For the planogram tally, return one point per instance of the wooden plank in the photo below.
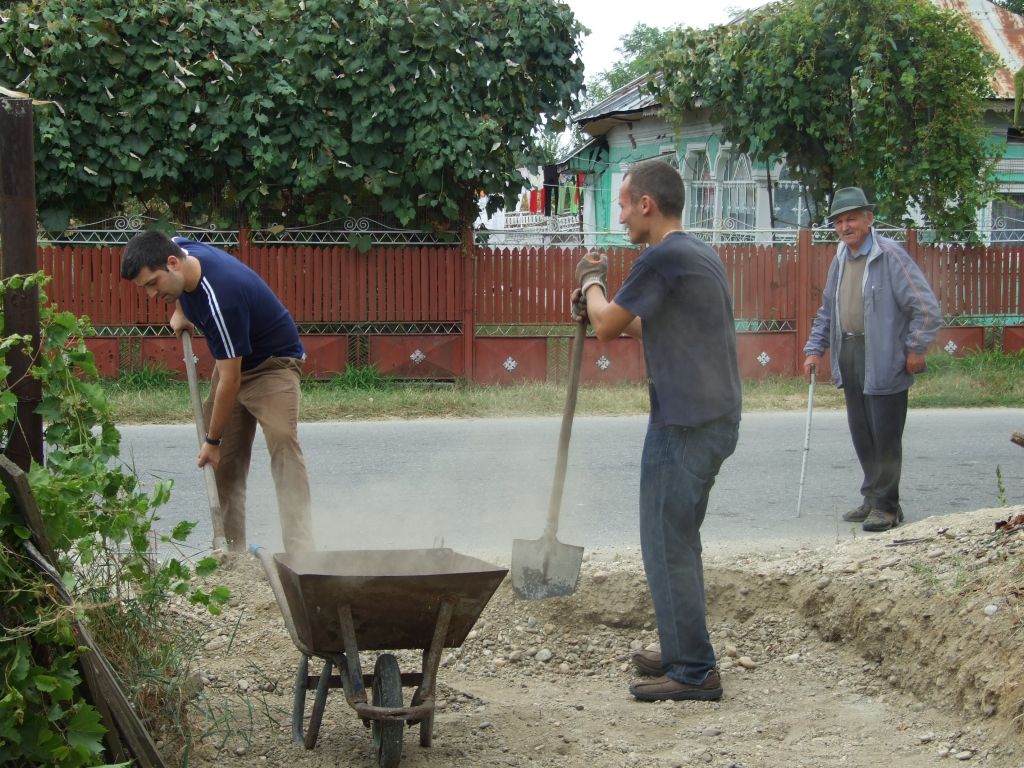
(360, 307)
(394, 286)
(424, 256)
(458, 264)
(484, 260)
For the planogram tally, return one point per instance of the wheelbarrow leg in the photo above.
(431, 661)
(308, 736)
(299, 700)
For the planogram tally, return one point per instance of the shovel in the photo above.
(807, 444)
(219, 540)
(546, 567)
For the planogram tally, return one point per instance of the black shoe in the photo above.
(858, 514)
(880, 521)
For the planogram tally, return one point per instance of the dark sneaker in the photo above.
(648, 663)
(667, 689)
(858, 514)
(880, 521)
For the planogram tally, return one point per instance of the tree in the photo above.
(883, 94)
(1017, 6)
(292, 112)
(640, 50)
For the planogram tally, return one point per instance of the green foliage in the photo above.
(303, 112)
(99, 520)
(544, 148)
(1017, 6)
(882, 94)
(641, 54)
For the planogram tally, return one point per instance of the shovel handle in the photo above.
(216, 517)
(558, 486)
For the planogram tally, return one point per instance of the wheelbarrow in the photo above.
(337, 603)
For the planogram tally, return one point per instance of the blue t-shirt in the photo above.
(236, 311)
(680, 292)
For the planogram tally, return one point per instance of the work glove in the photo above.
(578, 310)
(592, 270)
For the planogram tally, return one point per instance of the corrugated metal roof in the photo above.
(631, 98)
(1000, 31)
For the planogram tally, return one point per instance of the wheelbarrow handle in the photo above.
(270, 568)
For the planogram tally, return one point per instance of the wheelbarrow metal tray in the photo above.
(393, 594)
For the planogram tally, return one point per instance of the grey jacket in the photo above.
(901, 315)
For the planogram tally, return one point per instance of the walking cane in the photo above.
(807, 443)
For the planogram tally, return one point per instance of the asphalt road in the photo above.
(475, 485)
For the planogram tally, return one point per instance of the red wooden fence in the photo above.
(775, 287)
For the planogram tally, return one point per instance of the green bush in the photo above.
(100, 523)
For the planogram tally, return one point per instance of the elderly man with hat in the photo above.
(878, 316)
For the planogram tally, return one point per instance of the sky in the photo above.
(609, 20)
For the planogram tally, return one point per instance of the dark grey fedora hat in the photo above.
(849, 199)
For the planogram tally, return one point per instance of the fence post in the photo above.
(20, 257)
(804, 308)
(468, 301)
(911, 243)
(243, 245)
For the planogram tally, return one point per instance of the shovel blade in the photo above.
(543, 568)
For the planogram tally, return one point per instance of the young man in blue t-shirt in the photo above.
(676, 299)
(256, 380)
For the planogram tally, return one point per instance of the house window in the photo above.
(739, 192)
(1008, 218)
(789, 206)
(700, 192)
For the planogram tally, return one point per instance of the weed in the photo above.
(150, 376)
(927, 572)
(1000, 487)
(362, 392)
(360, 378)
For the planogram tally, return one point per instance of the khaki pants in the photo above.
(269, 396)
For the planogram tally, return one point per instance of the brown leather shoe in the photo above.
(648, 663)
(858, 514)
(667, 689)
(880, 521)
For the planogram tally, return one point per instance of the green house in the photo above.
(729, 198)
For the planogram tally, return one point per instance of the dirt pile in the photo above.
(904, 647)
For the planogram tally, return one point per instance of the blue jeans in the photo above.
(677, 471)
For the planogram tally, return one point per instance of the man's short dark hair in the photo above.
(148, 249)
(660, 182)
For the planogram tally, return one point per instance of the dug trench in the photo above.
(903, 648)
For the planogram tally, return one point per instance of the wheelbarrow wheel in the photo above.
(387, 692)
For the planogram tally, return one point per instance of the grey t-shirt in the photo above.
(680, 292)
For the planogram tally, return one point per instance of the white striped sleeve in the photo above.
(218, 318)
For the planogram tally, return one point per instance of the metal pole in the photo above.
(18, 248)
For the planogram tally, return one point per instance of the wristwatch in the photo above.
(214, 440)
